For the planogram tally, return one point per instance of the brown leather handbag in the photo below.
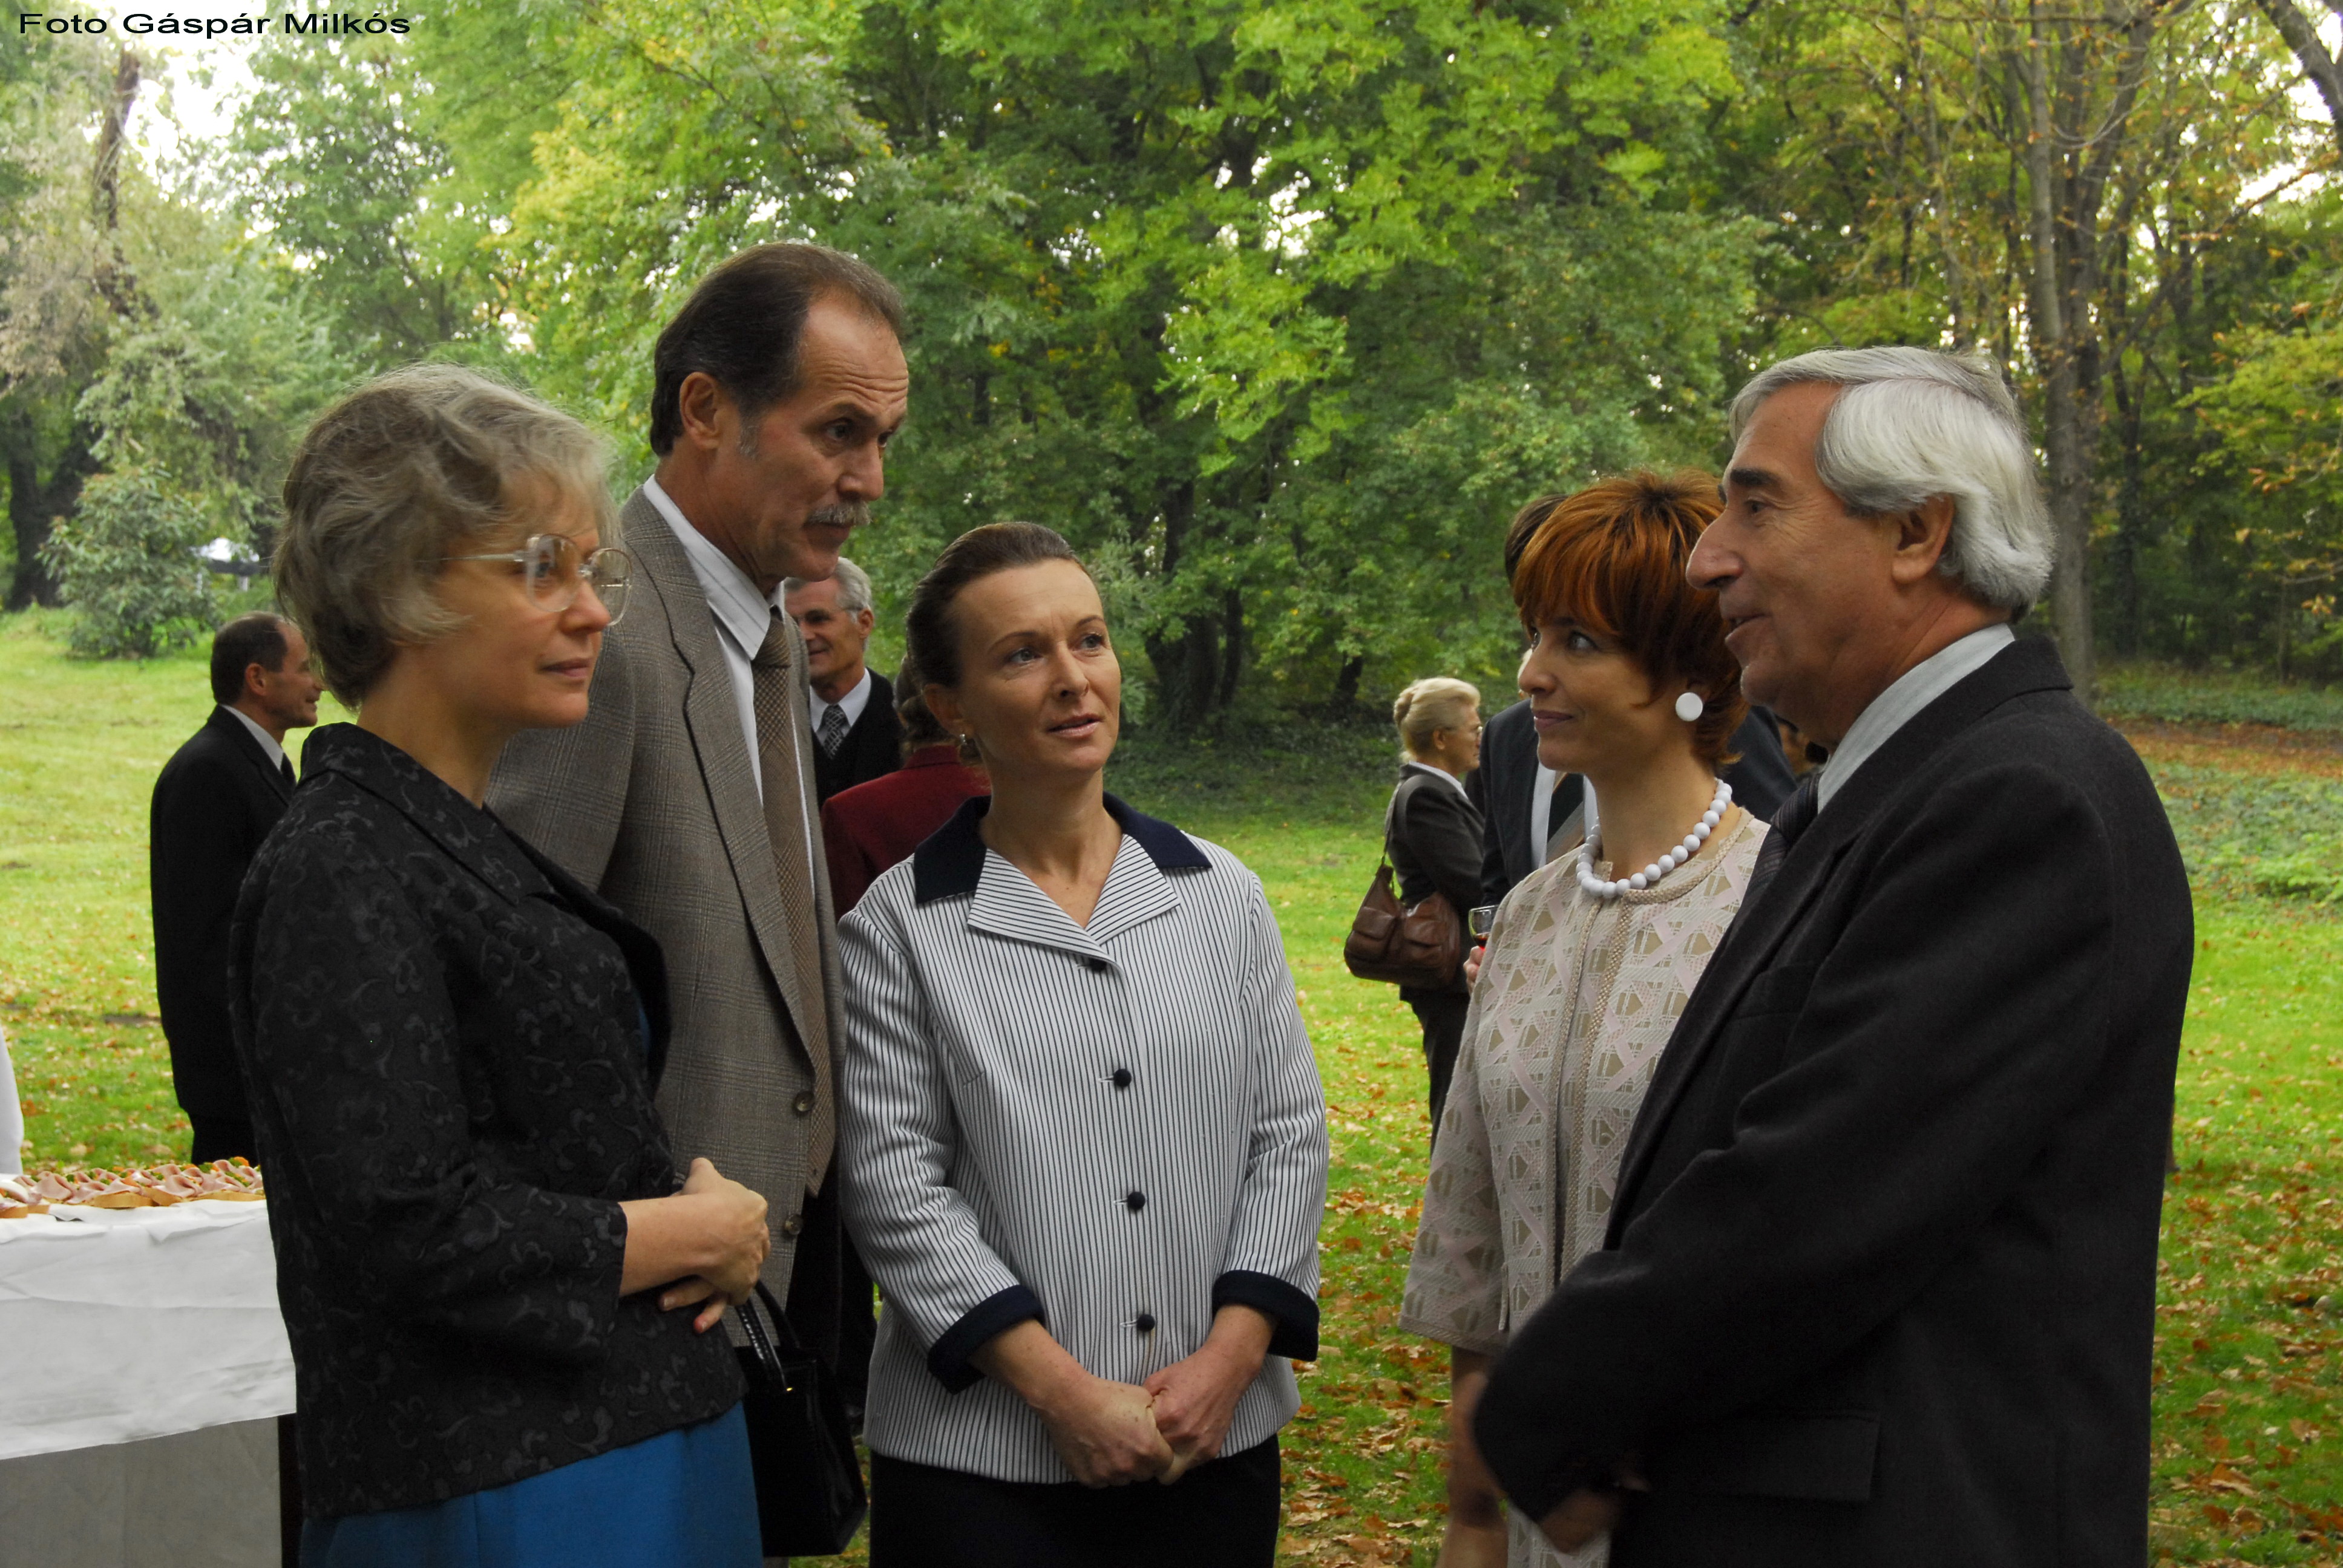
(1417, 944)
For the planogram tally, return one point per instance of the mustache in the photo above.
(845, 514)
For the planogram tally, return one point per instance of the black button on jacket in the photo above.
(451, 1049)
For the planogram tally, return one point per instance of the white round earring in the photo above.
(1689, 708)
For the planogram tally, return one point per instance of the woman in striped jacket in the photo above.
(1084, 1140)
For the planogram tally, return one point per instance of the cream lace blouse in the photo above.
(1575, 1001)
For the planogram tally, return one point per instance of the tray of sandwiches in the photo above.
(149, 1187)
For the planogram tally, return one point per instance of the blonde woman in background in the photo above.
(1592, 956)
(1431, 834)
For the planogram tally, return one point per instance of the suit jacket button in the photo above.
(1121, 1077)
(1145, 1322)
(793, 1224)
(1098, 966)
(803, 1103)
(1135, 1202)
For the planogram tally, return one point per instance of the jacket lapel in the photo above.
(470, 836)
(248, 749)
(1759, 930)
(712, 716)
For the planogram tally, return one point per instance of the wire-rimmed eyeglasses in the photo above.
(555, 572)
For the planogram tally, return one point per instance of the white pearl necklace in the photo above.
(1649, 875)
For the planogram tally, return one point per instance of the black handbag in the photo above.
(809, 1496)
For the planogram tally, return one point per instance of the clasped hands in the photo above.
(1114, 1434)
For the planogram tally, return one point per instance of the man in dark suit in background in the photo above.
(858, 738)
(215, 800)
(856, 735)
(1878, 1286)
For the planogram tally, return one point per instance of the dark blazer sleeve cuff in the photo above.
(948, 1358)
(1293, 1313)
(1519, 1452)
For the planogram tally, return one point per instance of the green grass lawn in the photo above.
(2249, 1433)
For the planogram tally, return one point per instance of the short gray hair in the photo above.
(421, 463)
(1910, 425)
(853, 585)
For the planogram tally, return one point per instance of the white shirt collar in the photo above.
(1442, 774)
(851, 704)
(268, 743)
(1912, 691)
(744, 613)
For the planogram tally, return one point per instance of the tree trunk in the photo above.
(1232, 647)
(33, 507)
(1185, 673)
(112, 275)
(1344, 703)
(2054, 352)
(2131, 511)
(2301, 35)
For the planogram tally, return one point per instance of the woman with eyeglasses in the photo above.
(1432, 836)
(498, 1286)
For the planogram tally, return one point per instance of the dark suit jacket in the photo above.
(873, 747)
(873, 826)
(214, 801)
(1501, 786)
(452, 1047)
(1879, 1282)
(1432, 835)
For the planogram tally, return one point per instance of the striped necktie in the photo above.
(833, 730)
(779, 766)
(1796, 815)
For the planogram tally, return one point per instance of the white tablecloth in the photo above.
(134, 1324)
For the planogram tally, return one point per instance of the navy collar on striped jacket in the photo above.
(951, 862)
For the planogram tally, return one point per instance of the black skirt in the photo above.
(1223, 1514)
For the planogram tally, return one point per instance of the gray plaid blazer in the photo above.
(653, 802)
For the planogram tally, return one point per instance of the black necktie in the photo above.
(1796, 815)
(285, 766)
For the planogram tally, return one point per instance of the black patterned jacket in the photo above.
(451, 1078)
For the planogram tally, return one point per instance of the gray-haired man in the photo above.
(856, 736)
(1878, 1286)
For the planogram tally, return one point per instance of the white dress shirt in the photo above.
(1116, 1127)
(1542, 823)
(742, 617)
(268, 743)
(1438, 772)
(1912, 691)
(851, 704)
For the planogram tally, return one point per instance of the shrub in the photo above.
(125, 562)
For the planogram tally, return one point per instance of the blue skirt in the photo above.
(684, 1498)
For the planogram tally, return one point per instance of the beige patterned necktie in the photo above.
(777, 765)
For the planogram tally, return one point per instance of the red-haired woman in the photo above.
(1591, 957)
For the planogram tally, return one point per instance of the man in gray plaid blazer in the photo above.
(686, 797)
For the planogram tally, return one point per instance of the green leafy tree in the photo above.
(1277, 312)
(2050, 185)
(213, 382)
(127, 562)
(345, 153)
(59, 209)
